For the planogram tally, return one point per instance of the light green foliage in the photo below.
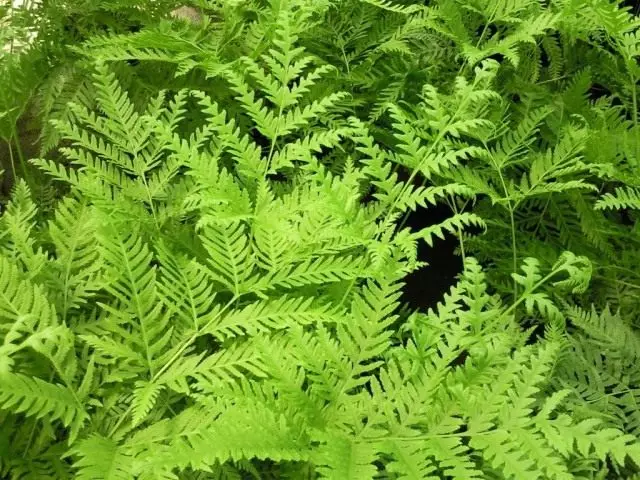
(214, 287)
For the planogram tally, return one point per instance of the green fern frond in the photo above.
(316, 271)
(113, 101)
(265, 316)
(607, 329)
(454, 225)
(66, 86)
(230, 256)
(32, 396)
(622, 198)
(73, 235)
(16, 231)
(22, 303)
(191, 439)
(100, 458)
(185, 289)
(340, 456)
(391, 7)
(131, 280)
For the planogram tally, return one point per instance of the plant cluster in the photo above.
(202, 267)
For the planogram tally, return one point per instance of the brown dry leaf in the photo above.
(189, 14)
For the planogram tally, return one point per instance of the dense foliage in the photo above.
(202, 265)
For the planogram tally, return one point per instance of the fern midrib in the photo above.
(67, 275)
(512, 220)
(138, 305)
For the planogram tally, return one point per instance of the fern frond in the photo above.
(32, 396)
(230, 255)
(192, 438)
(621, 198)
(132, 282)
(265, 316)
(100, 458)
(16, 231)
(21, 301)
(316, 271)
(391, 7)
(73, 234)
(185, 289)
(340, 456)
(123, 119)
(453, 225)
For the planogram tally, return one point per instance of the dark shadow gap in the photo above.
(426, 286)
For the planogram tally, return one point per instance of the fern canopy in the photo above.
(207, 246)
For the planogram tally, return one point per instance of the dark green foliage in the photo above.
(201, 277)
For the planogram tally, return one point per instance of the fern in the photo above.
(216, 285)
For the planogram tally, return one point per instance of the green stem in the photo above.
(346, 60)
(512, 208)
(12, 160)
(517, 302)
(634, 96)
(21, 158)
(514, 250)
(454, 208)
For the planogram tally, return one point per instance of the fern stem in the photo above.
(618, 267)
(273, 140)
(12, 160)
(634, 98)
(514, 251)
(21, 158)
(463, 255)
(541, 216)
(517, 302)
(452, 204)
(346, 61)
(511, 207)
(153, 210)
(606, 395)
(32, 432)
(634, 95)
(627, 284)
